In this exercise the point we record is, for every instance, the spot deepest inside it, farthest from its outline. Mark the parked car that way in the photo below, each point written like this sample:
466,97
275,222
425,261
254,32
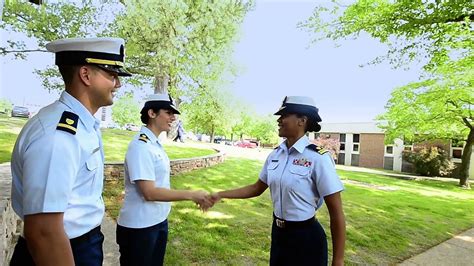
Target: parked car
20,111
223,140
246,144
132,127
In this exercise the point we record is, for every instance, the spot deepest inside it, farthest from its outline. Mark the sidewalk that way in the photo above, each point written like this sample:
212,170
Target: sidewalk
458,250
111,249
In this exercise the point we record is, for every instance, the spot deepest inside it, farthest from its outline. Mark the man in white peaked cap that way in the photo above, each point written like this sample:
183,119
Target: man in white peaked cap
58,160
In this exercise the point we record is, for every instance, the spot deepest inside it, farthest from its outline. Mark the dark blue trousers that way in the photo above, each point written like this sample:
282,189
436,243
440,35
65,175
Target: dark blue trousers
86,249
142,246
305,245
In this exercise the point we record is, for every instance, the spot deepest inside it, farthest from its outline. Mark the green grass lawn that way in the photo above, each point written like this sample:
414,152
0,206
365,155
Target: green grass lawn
388,220
115,142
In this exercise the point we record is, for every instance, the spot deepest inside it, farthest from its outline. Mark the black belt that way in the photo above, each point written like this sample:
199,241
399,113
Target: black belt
85,237
292,224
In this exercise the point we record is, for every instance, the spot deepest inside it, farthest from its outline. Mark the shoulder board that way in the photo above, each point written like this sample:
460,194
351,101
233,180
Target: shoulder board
317,149
144,138
68,122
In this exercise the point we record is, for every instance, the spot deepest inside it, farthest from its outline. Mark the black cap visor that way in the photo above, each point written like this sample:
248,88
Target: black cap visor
310,111
161,105
115,69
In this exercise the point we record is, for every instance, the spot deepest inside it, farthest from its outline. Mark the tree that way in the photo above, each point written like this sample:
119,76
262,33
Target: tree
48,22
180,43
208,111
439,107
438,32
126,110
265,129
413,29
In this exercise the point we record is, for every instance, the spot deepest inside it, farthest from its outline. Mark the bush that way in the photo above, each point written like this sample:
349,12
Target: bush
5,106
430,161
329,144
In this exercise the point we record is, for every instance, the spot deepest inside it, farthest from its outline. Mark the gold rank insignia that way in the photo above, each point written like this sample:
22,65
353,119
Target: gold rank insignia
317,149
68,122
144,138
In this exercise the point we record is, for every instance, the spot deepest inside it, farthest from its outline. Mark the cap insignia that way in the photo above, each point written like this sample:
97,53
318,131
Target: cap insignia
68,122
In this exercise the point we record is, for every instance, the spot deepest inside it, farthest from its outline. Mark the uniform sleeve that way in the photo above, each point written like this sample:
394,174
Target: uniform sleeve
327,180
264,172
50,168
139,162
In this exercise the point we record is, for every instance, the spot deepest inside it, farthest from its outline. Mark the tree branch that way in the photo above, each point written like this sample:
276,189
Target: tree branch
5,51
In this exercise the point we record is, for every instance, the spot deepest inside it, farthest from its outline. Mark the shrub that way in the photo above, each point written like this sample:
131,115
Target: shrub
5,106
430,161
329,144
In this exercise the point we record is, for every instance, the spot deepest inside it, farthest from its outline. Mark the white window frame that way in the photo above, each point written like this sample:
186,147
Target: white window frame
456,148
342,142
456,160
358,148
407,146
355,143
385,151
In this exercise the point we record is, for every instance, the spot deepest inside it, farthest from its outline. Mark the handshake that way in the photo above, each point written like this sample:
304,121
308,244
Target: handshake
204,200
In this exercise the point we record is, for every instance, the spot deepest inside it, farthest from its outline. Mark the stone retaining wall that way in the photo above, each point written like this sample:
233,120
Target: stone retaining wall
11,225
114,171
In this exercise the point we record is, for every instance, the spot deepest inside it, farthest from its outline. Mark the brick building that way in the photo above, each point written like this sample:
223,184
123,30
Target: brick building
363,144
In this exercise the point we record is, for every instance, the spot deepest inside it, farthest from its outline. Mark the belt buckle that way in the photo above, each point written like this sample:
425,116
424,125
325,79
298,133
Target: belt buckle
280,223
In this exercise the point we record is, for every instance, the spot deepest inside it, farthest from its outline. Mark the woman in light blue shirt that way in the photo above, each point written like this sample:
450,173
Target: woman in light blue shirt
142,226
301,176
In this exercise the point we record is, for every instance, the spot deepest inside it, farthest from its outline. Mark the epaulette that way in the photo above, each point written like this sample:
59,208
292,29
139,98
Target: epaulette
68,122
144,138
317,149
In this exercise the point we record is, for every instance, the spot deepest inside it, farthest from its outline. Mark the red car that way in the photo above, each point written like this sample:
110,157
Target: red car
246,144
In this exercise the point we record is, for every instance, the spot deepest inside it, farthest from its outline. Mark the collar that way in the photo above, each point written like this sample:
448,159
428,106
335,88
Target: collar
149,134
299,145
86,118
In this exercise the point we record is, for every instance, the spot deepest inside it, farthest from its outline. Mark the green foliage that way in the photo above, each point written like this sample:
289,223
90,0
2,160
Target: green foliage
5,106
51,21
187,41
430,161
432,31
126,110
208,111
264,129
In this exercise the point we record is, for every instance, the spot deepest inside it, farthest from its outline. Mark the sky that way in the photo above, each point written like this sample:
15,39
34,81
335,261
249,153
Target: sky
275,59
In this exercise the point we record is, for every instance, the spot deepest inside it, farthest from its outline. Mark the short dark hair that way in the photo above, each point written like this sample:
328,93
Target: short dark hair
311,125
68,72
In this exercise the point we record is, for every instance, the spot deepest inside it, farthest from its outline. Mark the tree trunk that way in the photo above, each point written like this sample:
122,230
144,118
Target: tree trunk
211,139
161,83
466,160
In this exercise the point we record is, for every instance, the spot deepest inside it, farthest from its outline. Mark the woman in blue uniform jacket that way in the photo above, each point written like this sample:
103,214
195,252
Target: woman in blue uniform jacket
301,177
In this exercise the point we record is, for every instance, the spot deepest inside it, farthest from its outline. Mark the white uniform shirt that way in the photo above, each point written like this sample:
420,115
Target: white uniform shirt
57,171
145,160
299,178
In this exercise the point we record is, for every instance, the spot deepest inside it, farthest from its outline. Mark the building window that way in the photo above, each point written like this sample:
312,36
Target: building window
389,150
355,147
355,140
342,138
408,147
456,150
342,141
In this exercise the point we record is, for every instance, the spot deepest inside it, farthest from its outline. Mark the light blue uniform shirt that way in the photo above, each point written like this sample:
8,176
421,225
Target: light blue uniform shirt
299,178
56,171
145,160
